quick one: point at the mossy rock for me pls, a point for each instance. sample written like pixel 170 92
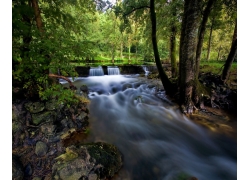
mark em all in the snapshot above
pixel 73 164
pixel 107 155
pixel 34 107
pixel 93 161
pixel 47 116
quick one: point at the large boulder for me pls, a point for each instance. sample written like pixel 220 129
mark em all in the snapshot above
pixel 92 161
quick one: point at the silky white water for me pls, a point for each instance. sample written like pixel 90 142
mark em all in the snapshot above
pixel 156 140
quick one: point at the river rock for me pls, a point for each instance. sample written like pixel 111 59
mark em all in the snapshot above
pixel 84 89
pixel 92 161
pixel 17 172
pixel 34 107
pixel 47 116
pixel 41 148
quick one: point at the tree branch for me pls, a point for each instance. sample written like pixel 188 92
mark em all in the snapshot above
pixel 62 77
pixel 134 9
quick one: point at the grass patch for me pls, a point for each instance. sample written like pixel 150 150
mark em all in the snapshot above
pixel 216 67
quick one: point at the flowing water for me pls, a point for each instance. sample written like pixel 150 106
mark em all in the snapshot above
pixel 156 140
pixel 113 70
pixel 96 71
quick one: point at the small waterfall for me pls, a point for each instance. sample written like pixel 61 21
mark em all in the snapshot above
pixel 145 69
pixel 113 70
pixel 96 71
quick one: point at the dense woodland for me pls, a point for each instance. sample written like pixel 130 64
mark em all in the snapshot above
pixel 52 35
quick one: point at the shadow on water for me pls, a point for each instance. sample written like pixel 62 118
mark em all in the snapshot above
pixel 156 140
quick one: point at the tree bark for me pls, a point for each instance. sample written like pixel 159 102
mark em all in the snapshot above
pixel 173 46
pixel 62 77
pixel 202 33
pixel 231 56
pixel 210 40
pixel 38 17
pixel 173 52
pixel 164 78
pixel 187 52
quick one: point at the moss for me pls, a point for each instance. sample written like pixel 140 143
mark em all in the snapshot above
pixel 107 155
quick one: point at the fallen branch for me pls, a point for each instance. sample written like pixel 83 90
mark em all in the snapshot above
pixel 62 77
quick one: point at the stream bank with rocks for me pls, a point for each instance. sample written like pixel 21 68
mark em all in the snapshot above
pixel 219 113
pixel 40 148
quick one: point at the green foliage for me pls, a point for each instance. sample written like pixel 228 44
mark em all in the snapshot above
pixel 60 94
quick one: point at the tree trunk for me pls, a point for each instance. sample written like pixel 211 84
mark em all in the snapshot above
pixel 202 33
pixel 121 50
pixel 210 40
pixel 129 45
pixel 38 17
pixel 187 80
pixel 219 53
pixel 173 52
pixel 113 53
pixel 231 56
pixel 164 78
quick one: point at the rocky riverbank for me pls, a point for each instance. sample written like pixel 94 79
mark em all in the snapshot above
pixel 219 113
pixel 41 132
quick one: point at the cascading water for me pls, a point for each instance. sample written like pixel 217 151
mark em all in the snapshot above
pixel 156 140
pixel 145 69
pixel 113 70
pixel 96 71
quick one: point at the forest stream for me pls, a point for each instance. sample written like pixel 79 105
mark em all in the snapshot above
pixel 157 141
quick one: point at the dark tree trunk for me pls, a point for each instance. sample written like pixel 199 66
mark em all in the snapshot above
pixel 38 17
pixel 187 52
pixel 164 78
pixel 210 40
pixel 173 52
pixel 202 33
pixel 231 56
pixel 173 45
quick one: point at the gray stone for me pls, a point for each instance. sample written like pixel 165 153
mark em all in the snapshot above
pixel 34 107
pixel 48 116
pixel 41 148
